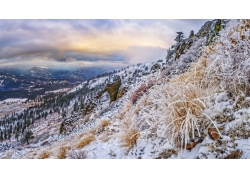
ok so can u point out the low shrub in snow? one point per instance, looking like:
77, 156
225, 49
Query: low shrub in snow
78, 154
138, 93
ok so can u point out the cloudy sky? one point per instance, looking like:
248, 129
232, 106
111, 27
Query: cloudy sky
74, 43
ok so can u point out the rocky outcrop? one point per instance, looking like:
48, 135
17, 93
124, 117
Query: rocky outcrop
204, 30
113, 88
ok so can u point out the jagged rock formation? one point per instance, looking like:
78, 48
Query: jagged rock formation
204, 29
113, 88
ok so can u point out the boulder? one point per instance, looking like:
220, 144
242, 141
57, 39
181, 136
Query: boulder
191, 34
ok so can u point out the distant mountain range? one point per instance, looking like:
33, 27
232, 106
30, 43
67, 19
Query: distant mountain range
15, 83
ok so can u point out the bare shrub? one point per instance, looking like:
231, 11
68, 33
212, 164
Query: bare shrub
151, 83
139, 92
78, 154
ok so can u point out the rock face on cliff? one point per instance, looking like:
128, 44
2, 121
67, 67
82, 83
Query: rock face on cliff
204, 29
113, 88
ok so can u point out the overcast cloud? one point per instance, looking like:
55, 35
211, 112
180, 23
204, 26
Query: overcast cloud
73, 43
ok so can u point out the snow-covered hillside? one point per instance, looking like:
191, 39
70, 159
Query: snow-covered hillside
195, 104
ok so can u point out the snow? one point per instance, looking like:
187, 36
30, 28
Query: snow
13, 100
77, 87
1, 83
58, 90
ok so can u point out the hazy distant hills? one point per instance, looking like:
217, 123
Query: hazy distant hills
72, 76
19, 83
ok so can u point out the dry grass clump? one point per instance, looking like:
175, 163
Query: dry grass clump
63, 151
195, 75
44, 155
129, 138
176, 107
85, 141
101, 126
180, 109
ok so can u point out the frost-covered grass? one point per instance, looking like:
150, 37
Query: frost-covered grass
229, 64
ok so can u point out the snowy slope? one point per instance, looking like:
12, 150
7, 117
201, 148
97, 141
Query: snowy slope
184, 108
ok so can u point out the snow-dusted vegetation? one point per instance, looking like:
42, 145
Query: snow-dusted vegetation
194, 104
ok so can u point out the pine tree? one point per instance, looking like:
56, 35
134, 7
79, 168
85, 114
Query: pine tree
16, 135
28, 122
1, 135
179, 37
8, 134
5, 135
45, 114
27, 136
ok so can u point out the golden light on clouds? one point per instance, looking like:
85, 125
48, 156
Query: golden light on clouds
84, 42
